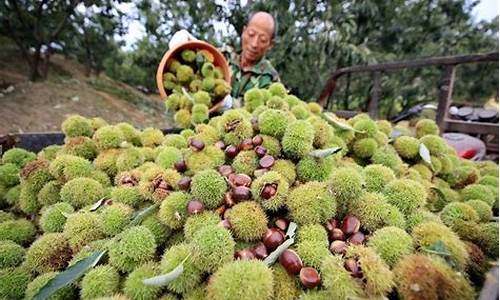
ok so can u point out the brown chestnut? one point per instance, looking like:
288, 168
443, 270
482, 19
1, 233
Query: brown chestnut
273, 237
281, 223
220, 210
246, 144
351, 265
231, 151
268, 191
266, 161
228, 199
184, 183
241, 193
338, 247
309, 277
260, 151
331, 224
244, 254
220, 145
180, 166
164, 185
225, 223
291, 261
241, 180
225, 170
350, 225
260, 251
257, 140
337, 234
357, 238
196, 145
195, 207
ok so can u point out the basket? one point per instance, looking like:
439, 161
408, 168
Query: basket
219, 61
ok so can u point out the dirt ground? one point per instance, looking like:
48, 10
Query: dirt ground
42, 106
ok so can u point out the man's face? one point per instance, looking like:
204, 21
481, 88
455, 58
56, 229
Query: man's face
256, 39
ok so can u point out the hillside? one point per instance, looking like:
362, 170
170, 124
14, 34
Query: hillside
42, 106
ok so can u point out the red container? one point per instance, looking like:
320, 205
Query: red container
219, 61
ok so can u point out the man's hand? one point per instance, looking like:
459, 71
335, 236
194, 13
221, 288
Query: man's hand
179, 37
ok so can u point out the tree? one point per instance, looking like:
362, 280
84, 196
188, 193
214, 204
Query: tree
91, 36
35, 27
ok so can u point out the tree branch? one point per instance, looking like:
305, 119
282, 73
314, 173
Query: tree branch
60, 26
18, 13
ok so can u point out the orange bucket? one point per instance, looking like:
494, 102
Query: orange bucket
219, 61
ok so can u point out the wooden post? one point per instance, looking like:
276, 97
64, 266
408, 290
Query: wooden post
375, 95
445, 91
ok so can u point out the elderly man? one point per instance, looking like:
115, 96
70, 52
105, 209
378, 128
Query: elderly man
249, 67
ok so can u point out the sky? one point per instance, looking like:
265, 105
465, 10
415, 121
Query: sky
485, 10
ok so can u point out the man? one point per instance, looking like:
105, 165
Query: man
250, 68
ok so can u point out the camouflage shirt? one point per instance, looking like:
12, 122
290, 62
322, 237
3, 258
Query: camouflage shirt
261, 75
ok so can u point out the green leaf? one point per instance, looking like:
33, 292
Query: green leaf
164, 279
438, 248
141, 215
424, 153
290, 232
187, 95
271, 258
98, 204
322, 153
395, 134
331, 118
70, 275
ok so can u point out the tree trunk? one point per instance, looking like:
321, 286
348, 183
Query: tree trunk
35, 72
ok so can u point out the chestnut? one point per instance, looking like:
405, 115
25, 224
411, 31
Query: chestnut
309, 277
266, 161
268, 191
195, 207
338, 247
351, 265
241, 193
241, 180
291, 261
225, 223
357, 238
244, 254
231, 151
257, 140
228, 199
184, 183
331, 224
164, 185
196, 145
273, 237
281, 223
260, 151
225, 170
180, 166
246, 144
260, 251
220, 210
337, 234
350, 225
220, 145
